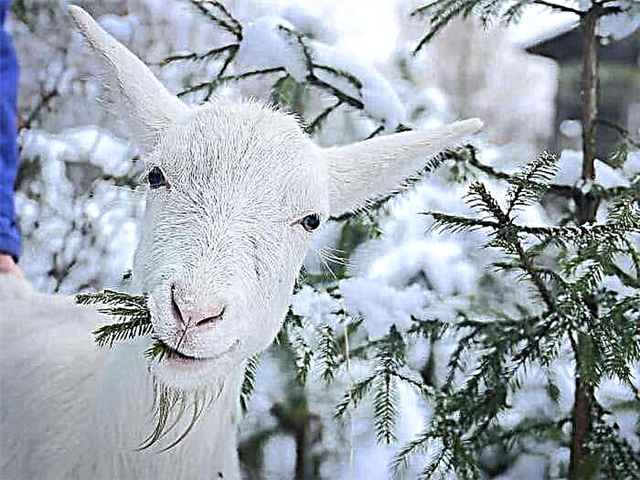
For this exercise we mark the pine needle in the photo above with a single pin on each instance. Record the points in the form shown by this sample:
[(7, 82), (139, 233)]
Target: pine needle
[(130, 311)]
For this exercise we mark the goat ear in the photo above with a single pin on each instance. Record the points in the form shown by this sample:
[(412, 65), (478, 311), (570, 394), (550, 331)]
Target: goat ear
[(362, 171), (146, 107)]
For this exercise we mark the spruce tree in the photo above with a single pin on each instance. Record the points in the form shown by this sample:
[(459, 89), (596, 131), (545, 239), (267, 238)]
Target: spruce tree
[(600, 324)]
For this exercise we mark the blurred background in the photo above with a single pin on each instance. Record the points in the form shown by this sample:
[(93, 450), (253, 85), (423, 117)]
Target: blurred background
[(78, 204)]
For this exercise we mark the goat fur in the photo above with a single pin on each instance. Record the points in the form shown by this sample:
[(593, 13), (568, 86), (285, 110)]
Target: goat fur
[(70, 411)]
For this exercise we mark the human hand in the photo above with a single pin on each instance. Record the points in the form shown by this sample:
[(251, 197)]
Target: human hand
[(9, 267)]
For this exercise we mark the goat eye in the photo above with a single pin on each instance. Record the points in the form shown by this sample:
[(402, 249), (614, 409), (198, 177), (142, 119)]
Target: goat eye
[(311, 222), (156, 178)]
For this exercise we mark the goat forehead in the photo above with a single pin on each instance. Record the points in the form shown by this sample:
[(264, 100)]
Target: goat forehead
[(243, 150), (235, 140), (237, 155)]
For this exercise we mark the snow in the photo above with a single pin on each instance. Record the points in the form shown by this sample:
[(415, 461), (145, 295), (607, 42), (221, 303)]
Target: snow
[(52, 227), (380, 99), (569, 171), (95, 145), (434, 101), (265, 45), (275, 462), (632, 166), (540, 24), (619, 26), (382, 305), (401, 264), (532, 466), (317, 307), (571, 128), (121, 27), (306, 21)]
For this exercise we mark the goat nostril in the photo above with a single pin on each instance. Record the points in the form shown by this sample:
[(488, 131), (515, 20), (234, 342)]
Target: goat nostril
[(175, 307), (214, 318)]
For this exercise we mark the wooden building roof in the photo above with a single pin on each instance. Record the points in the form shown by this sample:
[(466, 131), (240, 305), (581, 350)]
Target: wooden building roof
[(566, 45)]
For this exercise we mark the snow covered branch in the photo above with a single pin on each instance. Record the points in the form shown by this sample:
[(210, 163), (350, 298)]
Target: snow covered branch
[(273, 45)]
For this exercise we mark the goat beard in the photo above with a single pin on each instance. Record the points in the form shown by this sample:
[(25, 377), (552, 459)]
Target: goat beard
[(171, 405)]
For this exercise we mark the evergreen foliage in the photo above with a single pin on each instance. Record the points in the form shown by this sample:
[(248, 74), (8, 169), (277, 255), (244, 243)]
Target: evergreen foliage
[(249, 381), (133, 319), (506, 346), (131, 311)]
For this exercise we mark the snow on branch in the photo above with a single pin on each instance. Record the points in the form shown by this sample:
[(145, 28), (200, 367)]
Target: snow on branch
[(273, 45), (617, 18)]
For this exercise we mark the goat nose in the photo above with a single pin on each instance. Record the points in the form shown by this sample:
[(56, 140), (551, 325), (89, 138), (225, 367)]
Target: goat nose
[(189, 316)]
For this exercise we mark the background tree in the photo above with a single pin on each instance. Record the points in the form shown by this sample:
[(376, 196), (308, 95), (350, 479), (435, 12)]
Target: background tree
[(577, 304)]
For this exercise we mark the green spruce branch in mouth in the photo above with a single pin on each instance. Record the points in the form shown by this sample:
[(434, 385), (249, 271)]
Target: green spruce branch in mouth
[(133, 319)]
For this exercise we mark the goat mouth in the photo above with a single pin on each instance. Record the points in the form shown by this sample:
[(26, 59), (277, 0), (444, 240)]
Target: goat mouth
[(172, 353), (177, 357)]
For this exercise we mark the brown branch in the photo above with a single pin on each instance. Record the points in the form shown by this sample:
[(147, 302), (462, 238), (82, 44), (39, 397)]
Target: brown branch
[(375, 133), (339, 94), (227, 62), (623, 132), (230, 17), (587, 209), (216, 82), (210, 54), (590, 105), (230, 24), (561, 190), (315, 124), (313, 79), (505, 223), (534, 274), (42, 103), (561, 8), (552, 188)]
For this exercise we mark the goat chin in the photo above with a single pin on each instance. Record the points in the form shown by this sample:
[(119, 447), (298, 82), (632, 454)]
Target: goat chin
[(69, 410)]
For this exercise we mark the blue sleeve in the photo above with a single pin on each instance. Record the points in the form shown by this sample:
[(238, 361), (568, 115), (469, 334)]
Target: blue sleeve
[(9, 234)]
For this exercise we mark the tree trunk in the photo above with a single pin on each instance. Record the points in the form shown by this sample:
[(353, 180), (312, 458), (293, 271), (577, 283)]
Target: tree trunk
[(302, 461), (586, 212)]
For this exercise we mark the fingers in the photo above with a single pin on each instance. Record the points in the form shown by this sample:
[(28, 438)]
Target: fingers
[(9, 267)]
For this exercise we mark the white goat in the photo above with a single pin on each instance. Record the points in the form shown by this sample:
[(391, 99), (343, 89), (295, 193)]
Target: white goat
[(235, 190)]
